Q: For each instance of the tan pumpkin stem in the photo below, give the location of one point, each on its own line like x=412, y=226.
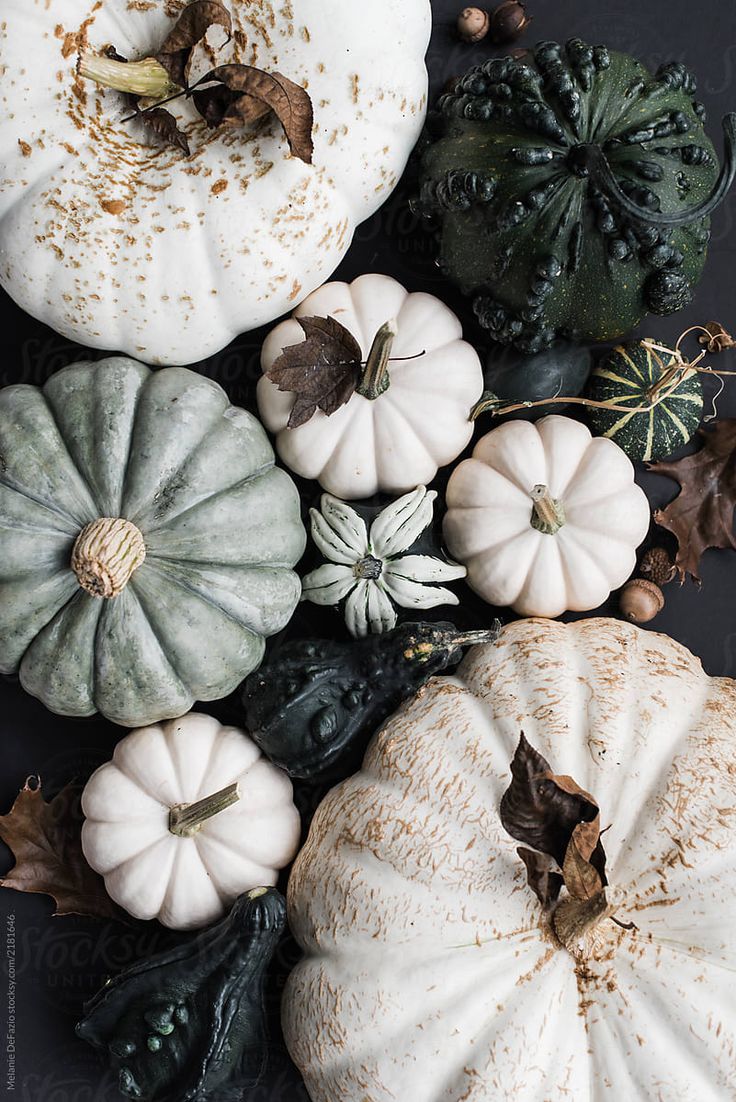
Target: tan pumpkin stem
x=139, y=78
x=375, y=379
x=186, y=819
x=106, y=554
x=548, y=514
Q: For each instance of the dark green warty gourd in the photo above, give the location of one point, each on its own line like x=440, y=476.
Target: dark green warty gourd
x=188, y=1025
x=313, y=707
x=571, y=190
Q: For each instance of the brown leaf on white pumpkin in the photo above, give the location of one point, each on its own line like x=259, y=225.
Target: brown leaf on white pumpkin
x=323, y=371
x=555, y=816
x=581, y=879
x=290, y=103
x=541, y=877
x=219, y=105
x=45, y=839
x=191, y=27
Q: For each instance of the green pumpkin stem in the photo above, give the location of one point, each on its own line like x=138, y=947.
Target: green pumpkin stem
x=186, y=819
x=138, y=78
x=375, y=379
x=602, y=176
x=548, y=514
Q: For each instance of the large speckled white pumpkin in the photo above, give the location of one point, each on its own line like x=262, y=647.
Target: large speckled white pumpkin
x=122, y=244
x=432, y=972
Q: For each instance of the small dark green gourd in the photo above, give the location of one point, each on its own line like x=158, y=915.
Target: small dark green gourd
x=313, y=707
x=188, y=1025
x=511, y=377
x=636, y=376
x=572, y=190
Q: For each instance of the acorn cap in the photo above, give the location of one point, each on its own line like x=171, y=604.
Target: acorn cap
x=657, y=566
x=640, y=601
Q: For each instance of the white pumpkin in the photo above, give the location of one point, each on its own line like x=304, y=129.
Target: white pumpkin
x=546, y=518
x=432, y=972
x=120, y=243
x=186, y=817
x=398, y=440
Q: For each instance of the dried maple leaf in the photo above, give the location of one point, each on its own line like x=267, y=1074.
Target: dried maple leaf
x=289, y=101
x=323, y=371
x=552, y=814
x=45, y=839
x=701, y=516
x=219, y=105
x=191, y=27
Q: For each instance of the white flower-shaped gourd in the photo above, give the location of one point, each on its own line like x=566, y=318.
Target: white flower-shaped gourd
x=546, y=518
x=122, y=243
x=405, y=420
x=186, y=817
x=371, y=570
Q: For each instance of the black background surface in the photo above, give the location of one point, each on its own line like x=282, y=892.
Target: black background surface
x=62, y=961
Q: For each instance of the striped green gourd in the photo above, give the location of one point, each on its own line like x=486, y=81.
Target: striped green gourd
x=634, y=375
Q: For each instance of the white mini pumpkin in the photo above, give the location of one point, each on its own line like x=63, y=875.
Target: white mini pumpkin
x=432, y=972
x=186, y=817
x=546, y=518
x=120, y=243
x=396, y=441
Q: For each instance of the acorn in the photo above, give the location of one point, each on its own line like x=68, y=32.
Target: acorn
x=508, y=21
x=641, y=601
x=657, y=566
x=473, y=24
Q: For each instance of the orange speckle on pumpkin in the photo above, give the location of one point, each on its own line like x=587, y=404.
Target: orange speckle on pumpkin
x=219, y=187
x=24, y=148
x=113, y=206
x=295, y=290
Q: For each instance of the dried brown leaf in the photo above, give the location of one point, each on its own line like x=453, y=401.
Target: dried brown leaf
x=323, y=371
x=191, y=27
x=701, y=516
x=45, y=839
x=582, y=880
x=220, y=106
x=556, y=817
x=166, y=127
x=289, y=101
x=542, y=878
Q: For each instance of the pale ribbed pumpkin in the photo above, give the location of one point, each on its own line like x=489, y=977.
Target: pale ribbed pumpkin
x=432, y=972
x=147, y=541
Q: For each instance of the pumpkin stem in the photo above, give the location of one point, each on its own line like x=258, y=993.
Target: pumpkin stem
x=603, y=177
x=375, y=379
x=548, y=514
x=139, y=78
x=106, y=554
x=185, y=820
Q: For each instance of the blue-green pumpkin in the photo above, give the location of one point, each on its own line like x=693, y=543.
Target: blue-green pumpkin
x=147, y=541
x=634, y=375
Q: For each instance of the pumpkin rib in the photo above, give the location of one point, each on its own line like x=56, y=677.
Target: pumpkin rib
x=235, y=678
x=53, y=675
x=185, y=693
x=233, y=488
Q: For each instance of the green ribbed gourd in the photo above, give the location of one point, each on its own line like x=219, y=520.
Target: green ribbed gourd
x=147, y=541
x=638, y=375
x=571, y=191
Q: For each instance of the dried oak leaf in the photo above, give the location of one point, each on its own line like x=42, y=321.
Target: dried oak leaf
x=323, y=371
x=289, y=101
x=701, y=516
x=219, y=105
x=557, y=818
x=45, y=839
x=191, y=27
